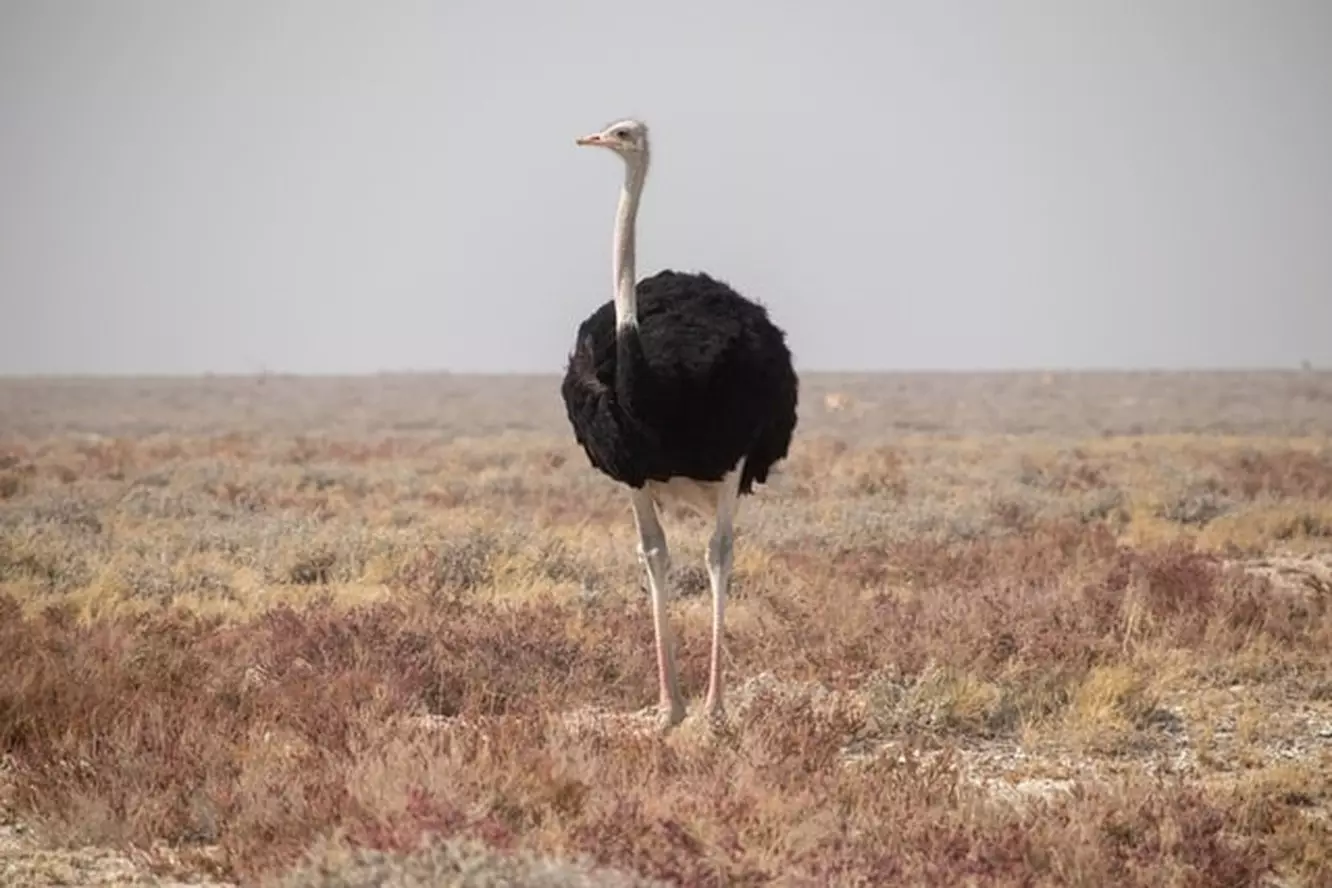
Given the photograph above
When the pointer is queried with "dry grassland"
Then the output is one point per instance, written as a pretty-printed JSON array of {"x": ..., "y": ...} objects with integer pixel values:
[{"x": 985, "y": 630}]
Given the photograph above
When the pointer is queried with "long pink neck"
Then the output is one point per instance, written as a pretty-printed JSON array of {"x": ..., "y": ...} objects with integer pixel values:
[{"x": 626, "y": 218}]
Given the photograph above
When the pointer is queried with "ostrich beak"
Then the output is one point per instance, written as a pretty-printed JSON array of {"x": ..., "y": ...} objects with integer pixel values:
[{"x": 592, "y": 139}]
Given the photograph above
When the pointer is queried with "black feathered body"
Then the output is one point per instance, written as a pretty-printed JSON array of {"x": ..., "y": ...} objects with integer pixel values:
[{"x": 705, "y": 379}]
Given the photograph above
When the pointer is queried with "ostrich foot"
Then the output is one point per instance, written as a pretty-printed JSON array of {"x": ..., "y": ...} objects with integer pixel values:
[
  {"x": 715, "y": 716},
  {"x": 669, "y": 714}
]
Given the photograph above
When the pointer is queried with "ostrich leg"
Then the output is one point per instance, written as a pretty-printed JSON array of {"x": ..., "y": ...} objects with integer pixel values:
[
  {"x": 719, "y": 576},
  {"x": 656, "y": 558}
]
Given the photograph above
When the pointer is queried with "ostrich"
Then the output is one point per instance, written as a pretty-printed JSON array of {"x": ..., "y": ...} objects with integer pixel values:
[{"x": 682, "y": 390}]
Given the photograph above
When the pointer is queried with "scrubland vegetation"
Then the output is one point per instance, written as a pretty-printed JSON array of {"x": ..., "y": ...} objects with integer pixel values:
[{"x": 985, "y": 630}]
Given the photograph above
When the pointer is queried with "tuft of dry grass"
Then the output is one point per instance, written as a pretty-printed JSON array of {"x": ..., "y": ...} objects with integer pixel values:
[{"x": 966, "y": 645}]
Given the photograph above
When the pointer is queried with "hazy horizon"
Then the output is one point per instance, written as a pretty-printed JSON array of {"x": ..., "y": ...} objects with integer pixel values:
[
  {"x": 348, "y": 189},
  {"x": 556, "y": 372}
]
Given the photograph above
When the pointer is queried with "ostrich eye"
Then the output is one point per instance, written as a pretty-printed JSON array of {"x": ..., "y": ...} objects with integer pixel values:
[{"x": 621, "y": 134}]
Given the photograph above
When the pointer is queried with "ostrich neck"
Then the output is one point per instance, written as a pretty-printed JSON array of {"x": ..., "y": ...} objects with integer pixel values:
[{"x": 626, "y": 218}]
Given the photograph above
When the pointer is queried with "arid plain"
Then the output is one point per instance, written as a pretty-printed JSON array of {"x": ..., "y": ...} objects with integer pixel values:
[{"x": 1008, "y": 629}]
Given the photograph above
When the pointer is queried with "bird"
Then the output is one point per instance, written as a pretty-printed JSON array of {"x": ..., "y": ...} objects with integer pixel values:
[{"x": 683, "y": 391}]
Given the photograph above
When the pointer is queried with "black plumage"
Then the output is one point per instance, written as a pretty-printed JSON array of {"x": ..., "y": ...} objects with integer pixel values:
[{"x": 704, "y": 379}]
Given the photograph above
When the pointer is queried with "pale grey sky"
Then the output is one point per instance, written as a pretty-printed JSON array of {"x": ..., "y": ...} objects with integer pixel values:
[{"x": 329, "y": 186}]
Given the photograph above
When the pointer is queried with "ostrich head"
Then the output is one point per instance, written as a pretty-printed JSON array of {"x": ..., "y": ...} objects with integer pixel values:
[{"x": 627, "y": 138}]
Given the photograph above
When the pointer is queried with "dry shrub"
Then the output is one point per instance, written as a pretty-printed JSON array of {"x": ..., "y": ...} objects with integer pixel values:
[
  {"x": 263, "y": 736},
  {"x": 825, "y": 465},
  {"x": 1182, "y": 597},
  {"x": 1020, "y": 623},
  {"x": 1281, "y": 474},
  {"x": 1111, "y": 709},
  {"x": 1281, "y": 805},
  {"x": 1044, "y": 553},
  {"x": 941, "y": 700},
  {"x": 54, "y": 562},
  {"x": 947, "y": 603},
  {"x": 877, "y": 471},
  {"x": 1066, "y": 473},
  {"x": 11, "y": 484},
  {"x": 308, "y": 568},
  {"x": 452, "y": 567},
  {"x": 1198, "y": 504},
  {"x": 110, "y": 458},
  {"x": 1170, "y": 591},
  {"x": 75, "y": 515}
]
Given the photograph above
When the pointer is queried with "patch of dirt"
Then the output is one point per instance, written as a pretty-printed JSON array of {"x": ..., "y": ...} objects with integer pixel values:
[
  {"x": 1202, "y": 737},
  {"x": 25, "y": 862},
  {"x": 452, "y": 865},
  {"x": 741, "y": 700},
  {"x": 1308, "y": 574}
]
